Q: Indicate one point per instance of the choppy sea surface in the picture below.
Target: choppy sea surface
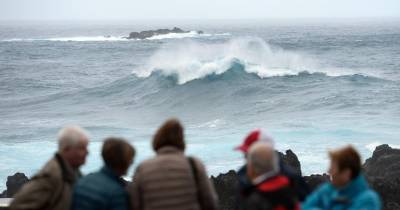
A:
(314, 85)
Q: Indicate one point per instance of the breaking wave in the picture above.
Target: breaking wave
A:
(189, 60)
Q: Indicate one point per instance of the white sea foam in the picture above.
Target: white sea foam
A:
(72, 39)
(211, 124)
(191, 34)
(191, 60)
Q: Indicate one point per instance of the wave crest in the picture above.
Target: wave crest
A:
(190, 60)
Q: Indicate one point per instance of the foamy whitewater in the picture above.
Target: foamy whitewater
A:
(313, 86)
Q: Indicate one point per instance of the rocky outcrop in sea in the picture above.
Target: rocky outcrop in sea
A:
(382, 171)
(151, 33)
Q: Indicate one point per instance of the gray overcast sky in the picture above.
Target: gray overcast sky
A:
(194, 9)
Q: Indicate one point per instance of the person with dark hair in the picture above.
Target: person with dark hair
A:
(170, 180)
(51, 187)
(348, 189)
(105, 189)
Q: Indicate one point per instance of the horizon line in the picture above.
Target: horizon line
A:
(205, 19)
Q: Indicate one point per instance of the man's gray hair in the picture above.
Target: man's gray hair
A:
(263, 158)
(70, 136)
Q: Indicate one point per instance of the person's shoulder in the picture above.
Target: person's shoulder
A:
(196, 160)
(92, 177)
(368, 199)
(51, 170)
(147, 164)
(325, 188)
(97, 178)
(99, 182)
(369, 195)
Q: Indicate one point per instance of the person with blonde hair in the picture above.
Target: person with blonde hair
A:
(170, 180)
(348, 189)
(51, 187)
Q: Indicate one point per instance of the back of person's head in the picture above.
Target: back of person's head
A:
(347, 158)
(117, 154)
(169, 134)
(71, 136)
(262, 158)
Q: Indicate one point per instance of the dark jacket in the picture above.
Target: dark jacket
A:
(102, 190)
(356, 195)
(301, 188)
(297, 182)
(274, 193)
(50, 189)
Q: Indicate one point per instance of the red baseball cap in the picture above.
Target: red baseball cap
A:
(255, 136)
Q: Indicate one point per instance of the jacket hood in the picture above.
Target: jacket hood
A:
(357, 185)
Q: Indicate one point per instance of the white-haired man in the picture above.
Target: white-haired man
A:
(271, 189)
(51, 187)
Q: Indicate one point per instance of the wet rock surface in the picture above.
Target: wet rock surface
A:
(290, 159)
(314, 180)
(14, 183)
(383, 173)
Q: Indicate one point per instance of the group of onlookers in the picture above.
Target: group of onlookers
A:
(173, 181)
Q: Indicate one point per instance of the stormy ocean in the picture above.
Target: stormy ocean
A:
(314, 85)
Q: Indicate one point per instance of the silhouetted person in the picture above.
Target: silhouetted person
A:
(348, 189)
(271, 190)
(51, 187)
(105, 189)
(170, 180)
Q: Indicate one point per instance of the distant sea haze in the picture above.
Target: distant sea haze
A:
(312, 86)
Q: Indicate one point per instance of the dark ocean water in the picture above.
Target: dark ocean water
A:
(312, 85)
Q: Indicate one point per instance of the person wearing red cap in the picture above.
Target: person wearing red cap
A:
(245, 185)
(271, 190)
(257, 135)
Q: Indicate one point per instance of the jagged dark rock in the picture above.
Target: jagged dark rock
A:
(290, 159)
(383, 173)
(14, 183)
(315, 180)
(151, 33)
(226, 187)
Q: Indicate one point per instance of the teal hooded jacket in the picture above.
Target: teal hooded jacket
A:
(102, 190)
(355, 196)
